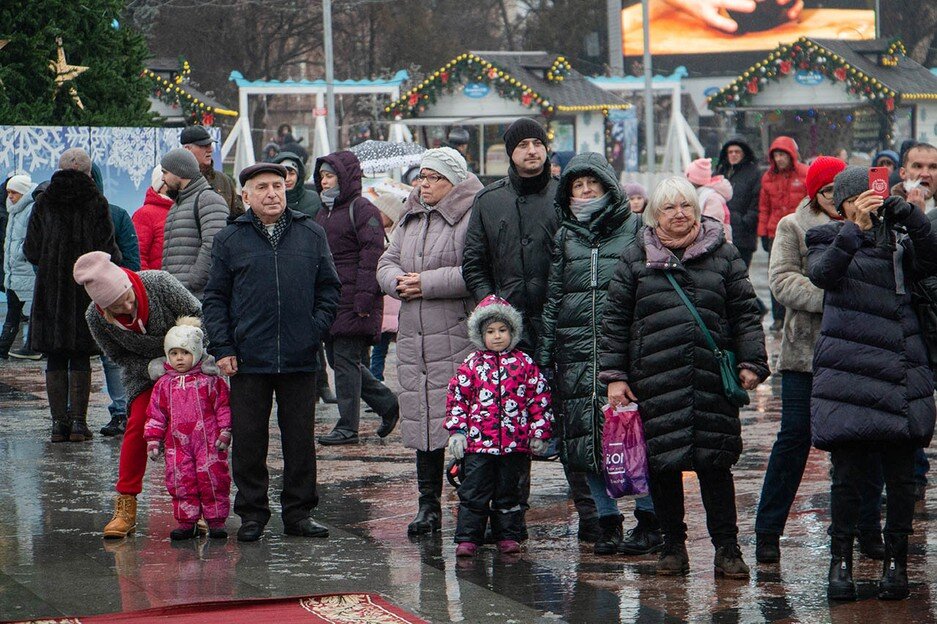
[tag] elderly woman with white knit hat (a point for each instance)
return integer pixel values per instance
(19, 277)
(129, 316)
(423, 269)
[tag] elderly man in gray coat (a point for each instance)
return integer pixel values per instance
(196, 216)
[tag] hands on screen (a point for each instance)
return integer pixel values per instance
(711, 12)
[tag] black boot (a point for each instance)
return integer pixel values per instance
(429, 468)
(7, 336)
(57, 391)
(79, 391)
(611, 537)
(894, 583)
(767, 548)
(645, 538)
(841, 586)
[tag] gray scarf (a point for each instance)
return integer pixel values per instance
(329, 196)
(584, 209)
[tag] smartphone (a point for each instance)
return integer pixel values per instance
(878, 181)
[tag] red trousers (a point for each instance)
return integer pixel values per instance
(133, 449)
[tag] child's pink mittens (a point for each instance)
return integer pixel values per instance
(224, 440)
(152, 449)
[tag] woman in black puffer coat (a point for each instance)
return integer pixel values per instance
(597, 226)
(873, 388)
(653, 352)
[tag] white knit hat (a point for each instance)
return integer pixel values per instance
(447, 162)
(156, 178)
(187, 335)
(21, 184)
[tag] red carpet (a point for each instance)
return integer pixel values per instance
(328, 609)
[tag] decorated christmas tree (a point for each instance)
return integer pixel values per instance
(71, 63)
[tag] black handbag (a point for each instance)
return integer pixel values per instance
(735, 393)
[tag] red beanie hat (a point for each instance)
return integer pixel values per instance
(821, 173)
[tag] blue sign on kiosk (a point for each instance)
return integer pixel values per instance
(476, 90)
(808, 78)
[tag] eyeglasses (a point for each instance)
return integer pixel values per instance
(432, 178)
(671, 209)
(826, 192)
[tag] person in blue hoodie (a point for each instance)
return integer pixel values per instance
(126, 237)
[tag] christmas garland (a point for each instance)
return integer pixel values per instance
(173, 93)
(466, 68)
(559, 70)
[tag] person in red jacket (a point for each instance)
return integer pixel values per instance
(148, 221)
(783, 186)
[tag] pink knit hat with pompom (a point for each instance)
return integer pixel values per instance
(105, 281)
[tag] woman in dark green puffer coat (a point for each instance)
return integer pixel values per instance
(597, 226)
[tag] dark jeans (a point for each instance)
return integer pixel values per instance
(354, 382)
(493, 480)
(849, 470)
(717, 489)
(777, 310)
(115, 387)
(789, 458)
(251, 402)
(379, 355)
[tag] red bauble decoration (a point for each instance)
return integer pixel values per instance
(413, 99)
(208, 119)
(890, 104)
(526, 99)
(752, 86)
(444, 77)
(840, 73)
(492, 73)
(786, 67)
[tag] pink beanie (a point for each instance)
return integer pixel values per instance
(105, 281)
(700, 171)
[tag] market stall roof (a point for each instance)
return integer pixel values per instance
(318, 86)
(536, 79)
(877, 70)
(170, 78)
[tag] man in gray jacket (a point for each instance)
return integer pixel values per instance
(197, 215)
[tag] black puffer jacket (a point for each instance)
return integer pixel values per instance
(872, 381)
(650, 340)
(745, 179)
(584, 259)
(508, 246)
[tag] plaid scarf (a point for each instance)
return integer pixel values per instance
(278, 228)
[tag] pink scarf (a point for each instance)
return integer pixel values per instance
(678, 243)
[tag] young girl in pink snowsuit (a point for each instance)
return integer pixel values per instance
(189, 412)
(498, 411)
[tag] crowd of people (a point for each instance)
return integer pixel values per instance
(519, 310)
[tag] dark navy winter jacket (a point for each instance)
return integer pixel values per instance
(871, 378)
(270, 307)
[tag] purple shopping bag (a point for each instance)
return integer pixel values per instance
(624, 451)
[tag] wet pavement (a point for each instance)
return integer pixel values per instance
(54, 500)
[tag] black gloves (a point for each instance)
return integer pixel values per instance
(896, 209)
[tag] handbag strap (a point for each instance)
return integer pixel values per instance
(692, 309)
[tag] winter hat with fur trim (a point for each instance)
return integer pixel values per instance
(494, 308)
(821, 173)
(186, 335)
(104, 281)
(447, 162)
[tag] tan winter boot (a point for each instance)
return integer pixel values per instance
(125, 518)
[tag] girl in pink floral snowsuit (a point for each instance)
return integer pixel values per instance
(189, 412)
(498, 411)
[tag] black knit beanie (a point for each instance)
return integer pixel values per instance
(523, 128)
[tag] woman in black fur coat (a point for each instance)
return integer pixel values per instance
(69, 219)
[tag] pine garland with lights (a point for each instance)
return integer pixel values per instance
(465, 68)
(172, 92)
(805, 55)
(559, 70)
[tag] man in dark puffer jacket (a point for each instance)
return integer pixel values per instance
(508, 249)
(873, 386)
(737, 163)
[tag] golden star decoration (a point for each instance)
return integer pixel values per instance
(66, 73)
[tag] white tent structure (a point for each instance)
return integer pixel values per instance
(240, 138)
(682, 145)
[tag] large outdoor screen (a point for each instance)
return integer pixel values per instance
(695, 33)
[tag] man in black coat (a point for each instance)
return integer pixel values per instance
(508, 248)
(737, 163)
(271, 297)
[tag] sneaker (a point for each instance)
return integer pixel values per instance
(25, 353)
(728, 562)
(506, 547)
(115, 427)
(673, 560)
(767, 548)
(467, 549)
